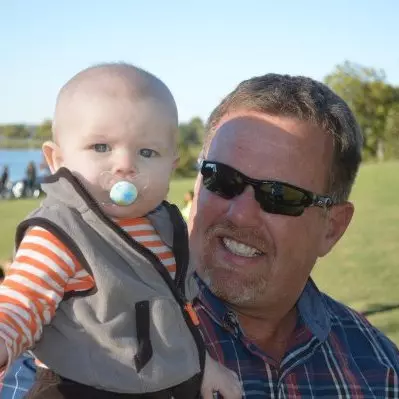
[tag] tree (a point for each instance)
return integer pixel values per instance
(370, 98)
(190, 140)
(191, 133)
(44, 130)
(16, 131)
(392, 132)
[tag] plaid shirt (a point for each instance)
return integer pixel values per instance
(334, 353)
(19, 379)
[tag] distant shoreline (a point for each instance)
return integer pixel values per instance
(20, 144)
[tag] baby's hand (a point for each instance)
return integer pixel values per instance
(219, 379)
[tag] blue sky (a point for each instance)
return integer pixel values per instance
(200, 49)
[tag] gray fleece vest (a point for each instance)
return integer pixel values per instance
(131, 334)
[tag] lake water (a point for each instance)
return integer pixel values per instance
(17, 161)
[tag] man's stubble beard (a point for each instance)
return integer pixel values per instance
(233, 291)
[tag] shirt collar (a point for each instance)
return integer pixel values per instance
(311, 307)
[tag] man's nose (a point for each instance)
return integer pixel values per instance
(244, 210)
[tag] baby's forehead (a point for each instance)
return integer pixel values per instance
(103, 96)
(116, 81)
(119, 126)
(121, 132)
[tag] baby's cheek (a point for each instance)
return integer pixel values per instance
(161, 182)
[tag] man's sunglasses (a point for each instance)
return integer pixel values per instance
(273, 196)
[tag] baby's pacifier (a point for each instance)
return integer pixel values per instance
(123, 189)
(123, 193)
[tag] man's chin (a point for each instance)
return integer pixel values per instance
(228, 288)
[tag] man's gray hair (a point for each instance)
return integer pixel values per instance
(307, 100)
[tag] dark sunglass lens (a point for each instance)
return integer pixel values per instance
(222, 180)
(274, 206)
(281, 199)
(292, 196)
(294, 210)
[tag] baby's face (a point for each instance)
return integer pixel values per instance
(121, 137)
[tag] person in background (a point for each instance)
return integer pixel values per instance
(4, 178)
(30, 176)
(188, 200)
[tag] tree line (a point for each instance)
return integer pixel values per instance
(373, 100)
(375, 104)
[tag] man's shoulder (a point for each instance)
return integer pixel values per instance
(360, 335)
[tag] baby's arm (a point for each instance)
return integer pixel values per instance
(220, 379)
(29, 295)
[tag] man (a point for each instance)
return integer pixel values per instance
(279, 163)
(280, 159)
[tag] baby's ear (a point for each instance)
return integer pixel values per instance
(52, 154)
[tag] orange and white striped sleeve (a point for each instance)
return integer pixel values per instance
(43, 270)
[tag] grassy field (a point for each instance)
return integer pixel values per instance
(362, 271)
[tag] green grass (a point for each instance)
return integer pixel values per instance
(178, 188)
(362, 271)
(11, 213)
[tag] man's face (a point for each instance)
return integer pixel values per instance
(249, 257)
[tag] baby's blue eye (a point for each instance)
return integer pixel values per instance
(101, 147)
(148, 153)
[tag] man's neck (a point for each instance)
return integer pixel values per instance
(270, 335)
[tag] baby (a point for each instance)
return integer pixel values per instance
(100, 286)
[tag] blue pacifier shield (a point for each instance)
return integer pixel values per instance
(123, 193)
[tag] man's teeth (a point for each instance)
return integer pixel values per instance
(238, 248)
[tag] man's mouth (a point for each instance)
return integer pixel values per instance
(240, 249)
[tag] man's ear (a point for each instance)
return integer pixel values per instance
(337, 221)
(52, 154)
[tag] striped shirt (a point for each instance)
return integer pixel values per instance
(333, 353)
(44, 270)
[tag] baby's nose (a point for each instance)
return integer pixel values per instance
(124, 165)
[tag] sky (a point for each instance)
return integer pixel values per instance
(201, 49)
